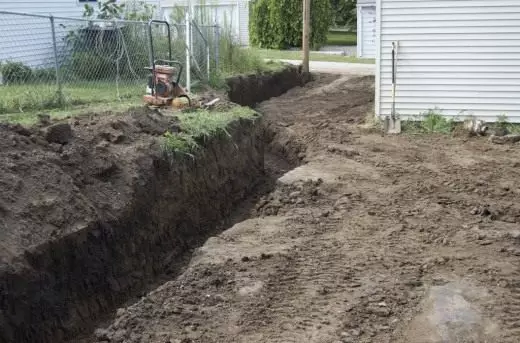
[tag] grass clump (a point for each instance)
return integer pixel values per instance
(198, 126)
(431, 121)
(502, 123)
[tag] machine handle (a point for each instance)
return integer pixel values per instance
(150, 36)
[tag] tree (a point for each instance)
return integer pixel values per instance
(344, 13)
(277, 24)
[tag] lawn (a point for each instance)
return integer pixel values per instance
(41, 97)
(342, 38)
(297, 55)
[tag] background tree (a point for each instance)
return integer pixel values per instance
(277, 24)
(344, 13)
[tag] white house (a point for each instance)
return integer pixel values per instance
(461, 57)
(366, 28)
(231, 14)
(28, 39)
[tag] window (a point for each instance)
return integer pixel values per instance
(87, 0)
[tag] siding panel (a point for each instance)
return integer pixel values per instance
(367, 29)
(456, 55)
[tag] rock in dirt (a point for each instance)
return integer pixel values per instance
(507, 139)
(59, 133)
(44, 118)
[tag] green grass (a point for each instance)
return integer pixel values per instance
(297, 55)
(343, 38)
(31, 117)
(503, 123)
(197, 126)
(43, 97)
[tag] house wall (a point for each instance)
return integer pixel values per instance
(29, 39)
(231, 13)
(456, 55)
(18, 32)
(366, 28)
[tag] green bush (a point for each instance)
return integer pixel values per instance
(278, 24)
(16, 72)
(45, 75)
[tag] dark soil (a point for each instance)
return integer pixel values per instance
(403, 239)
(93, 213)
(89, 218)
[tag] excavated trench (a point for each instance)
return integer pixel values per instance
(96, 217)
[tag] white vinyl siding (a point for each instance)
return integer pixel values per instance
(233, 14)
(17, 32)
(20, 32)
(366, 29)
(460, 56)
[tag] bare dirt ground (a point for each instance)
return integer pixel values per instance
(373, 239)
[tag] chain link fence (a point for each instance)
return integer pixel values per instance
(50, 62)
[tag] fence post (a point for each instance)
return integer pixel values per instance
(217, 46)
(188, 51)
(56, 63)
(208, 58)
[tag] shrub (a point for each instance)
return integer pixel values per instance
(45, 75)
(16, 72)
(277, 24)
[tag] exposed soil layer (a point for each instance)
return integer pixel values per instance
(88, 223)
(374, 239)
(248, 90)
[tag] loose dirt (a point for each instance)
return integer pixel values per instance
(372, 239)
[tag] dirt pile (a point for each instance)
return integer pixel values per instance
(91, 210)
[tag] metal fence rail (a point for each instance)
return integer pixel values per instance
(48, 61)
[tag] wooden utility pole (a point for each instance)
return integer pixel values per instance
(306, 33)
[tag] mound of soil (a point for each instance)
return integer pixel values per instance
(91, 209)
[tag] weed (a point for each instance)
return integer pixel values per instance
(198, 126)
(431, 121)
(502, 123)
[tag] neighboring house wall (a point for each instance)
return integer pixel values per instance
(233, 14)
(17, 33)
(458, 55)
(366, 28)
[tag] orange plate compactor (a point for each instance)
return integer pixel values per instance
(163, 83)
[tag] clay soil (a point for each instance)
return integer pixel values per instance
(410, 238)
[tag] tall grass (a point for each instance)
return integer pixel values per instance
(198, 126)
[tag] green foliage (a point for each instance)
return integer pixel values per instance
(44, 75)
(344, 13)
(277, 24)
(196, 127)
(431, 121)
(107, 9)
(16, 72)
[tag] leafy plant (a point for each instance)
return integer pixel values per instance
(344, 13)
(15, 72)
(107, 9)
(277, 24)
(435, 122)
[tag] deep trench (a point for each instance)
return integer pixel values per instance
(45, 322)
(280, 156)
(278, 160)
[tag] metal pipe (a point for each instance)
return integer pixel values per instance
(56, 63)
